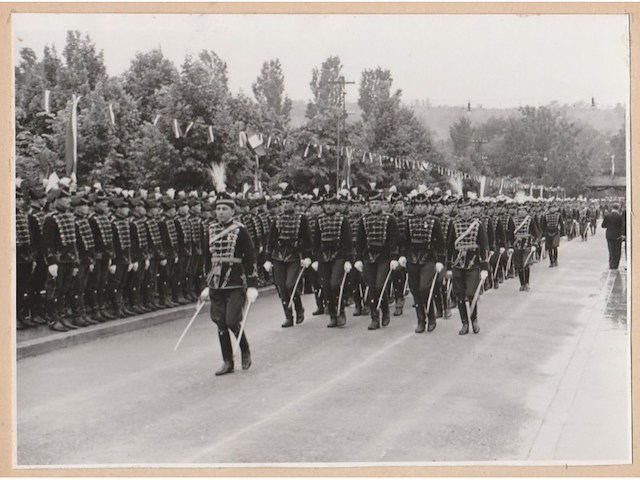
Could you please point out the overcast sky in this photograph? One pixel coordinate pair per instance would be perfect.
(494, 60)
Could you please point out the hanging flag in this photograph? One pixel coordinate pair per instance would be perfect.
(176, 129)
(46, 104)
(155, 120)
(306, 150)
(112, 116)
(210, 137)
(483, 183)
(255, 142)
(613, 164)
(188, 128)
(319, 151)
(347, 166)
(541, 191)
(364, 156)
(242, 139)
(71, 140)
(269, 142)
(501, 185)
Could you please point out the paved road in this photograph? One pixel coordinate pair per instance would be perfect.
(545, 380)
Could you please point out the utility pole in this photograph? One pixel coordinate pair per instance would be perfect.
(341, 82)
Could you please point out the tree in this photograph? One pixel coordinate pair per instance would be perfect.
(461, 133)
(84, 66)
(268, 90)
(326, 96)
(147, 75)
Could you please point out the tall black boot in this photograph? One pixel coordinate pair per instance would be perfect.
(462, 308)
(474, 319)
(246, 352)
(227, 352)
(527, 271)
(521, 277)
(297, 302)
(288, 315)
(421, 318)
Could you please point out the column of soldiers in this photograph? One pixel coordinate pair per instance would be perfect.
(90, 255)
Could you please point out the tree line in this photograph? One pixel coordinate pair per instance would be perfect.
(539, 145)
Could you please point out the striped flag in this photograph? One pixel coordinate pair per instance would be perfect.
(46, 103)
(210, 137)
(71, 140)
(176, 129)
(111, 115)
(188, 128)
(155, 120)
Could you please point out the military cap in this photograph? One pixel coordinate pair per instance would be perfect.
(117, 202)
(224, 198)
(78, 200)
(135, 201)
(150, 202)
(36, 193)
(420, 198)
(167, 202)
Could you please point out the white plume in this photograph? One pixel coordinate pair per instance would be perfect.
(472, 195)
(171, 192)
(372, 185)
(520, 196)
(422, 188)
(354, 190)
(218, 176)
(393, 189)
(97, 186)
(327, 187)
(18, 182)
(316, 191)
(283, 185)
(143, 193)
(456, 185)
(245, 189)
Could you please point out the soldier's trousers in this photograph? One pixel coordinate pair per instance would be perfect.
(375, 274)
(116, 285)
(180, 274)
(23, 275)
(96, 291)
(58, 290)
(165, 282)
(79, 288)
(331, 274)
(313, 278)
(399, 277)
(226, 313)
(421, 277)
(149, 282)
(358, 287)
(465, 283)
(36, 288)
(196, 274)
(285, 275)
(133, 284)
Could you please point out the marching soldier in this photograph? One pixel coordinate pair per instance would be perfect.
(399, 275)
(441, 290)
(312, 275)
(332, 252)
(288, 249)
(467, 263)
(232, 281)
(377, 256)
(523, 241)
(356, 280)
(423, 250)
(552, 225)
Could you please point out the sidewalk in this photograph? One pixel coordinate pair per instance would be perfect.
(36, 341)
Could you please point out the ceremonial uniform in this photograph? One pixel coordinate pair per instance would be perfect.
(122, 262)
(466, 256)
(196, 267)
(376, 247)
(185, 252)
(356, 279)
(25, 263)
(523, 241)
(423, 246)
(59, 244)
(233, 270)
(139, 256)
(103, 237)
(332, 248)
(399, 275)
(87, 261)
(39, 276)
(289, 243)
(552, 225)
(156, 256)
(168, 286)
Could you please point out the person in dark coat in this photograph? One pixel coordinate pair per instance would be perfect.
(615, 224)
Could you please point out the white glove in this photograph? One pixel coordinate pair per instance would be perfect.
(33, 266)
(491, 252)
(53, 270)
(314, 265)
(163, 262)
(347, 267)
(112, 269)
(449, 274)
(359, 266)
(511, 251)
(146, 264)
(439, 267)
(74, 272)
(501, 250)
(305, 262)
(135, 266)
(483, 275)
(402, 261)
(252, 294)
(268, 266)
(533, 248)
(92, 267)
(393, 264)
(175, 260)
(204, 295)
(130, 267)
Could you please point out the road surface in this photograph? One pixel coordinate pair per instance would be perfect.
(545, 380)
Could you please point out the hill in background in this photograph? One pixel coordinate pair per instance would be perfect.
(438, 119)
